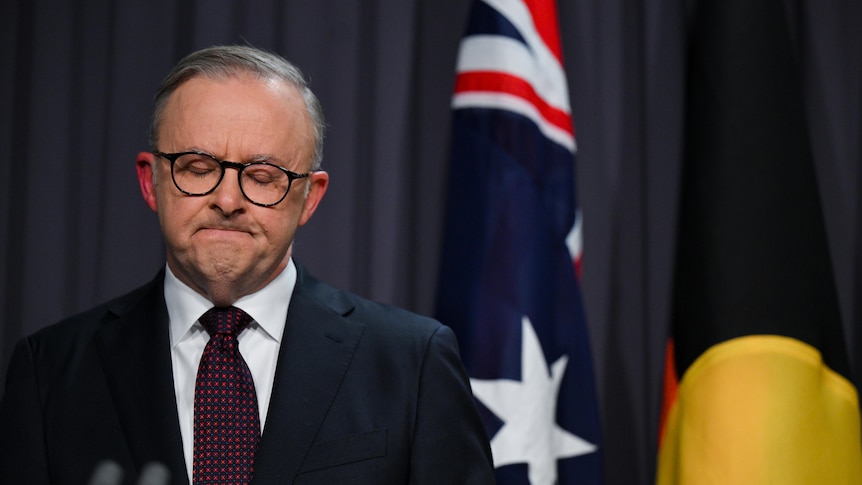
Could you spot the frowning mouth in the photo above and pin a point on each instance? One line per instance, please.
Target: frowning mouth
(222, 230)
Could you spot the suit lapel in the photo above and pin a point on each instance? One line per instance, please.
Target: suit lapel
(316, 351)
(135, 352)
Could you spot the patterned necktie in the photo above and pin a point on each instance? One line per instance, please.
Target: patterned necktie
(227, 424)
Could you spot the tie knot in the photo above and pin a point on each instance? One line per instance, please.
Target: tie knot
(230, 320)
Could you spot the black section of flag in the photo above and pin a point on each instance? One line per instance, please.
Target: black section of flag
(753, 257)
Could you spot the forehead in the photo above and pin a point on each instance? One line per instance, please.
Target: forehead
(237, 117)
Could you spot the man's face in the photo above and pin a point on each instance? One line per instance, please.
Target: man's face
(221, 244)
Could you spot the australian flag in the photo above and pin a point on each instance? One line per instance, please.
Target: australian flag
(509, 275)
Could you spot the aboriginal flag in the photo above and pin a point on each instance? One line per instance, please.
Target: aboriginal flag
(764, 395)
(509, 281)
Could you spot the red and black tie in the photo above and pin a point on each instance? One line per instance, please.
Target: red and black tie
(227, 423)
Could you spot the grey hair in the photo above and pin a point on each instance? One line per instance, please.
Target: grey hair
(225, 62)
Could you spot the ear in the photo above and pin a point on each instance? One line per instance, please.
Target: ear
(144, 165)
(318, 181)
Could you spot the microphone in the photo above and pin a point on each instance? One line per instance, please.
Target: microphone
(154, 473)
(106, 473)
(110, 473)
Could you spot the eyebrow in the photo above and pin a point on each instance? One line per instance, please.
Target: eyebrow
(257, 157)
(265, 158)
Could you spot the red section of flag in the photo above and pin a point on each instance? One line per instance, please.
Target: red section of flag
(497, 82)
(545, 18)
(670, 388)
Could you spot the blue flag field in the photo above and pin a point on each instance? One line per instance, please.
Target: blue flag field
(509, 283)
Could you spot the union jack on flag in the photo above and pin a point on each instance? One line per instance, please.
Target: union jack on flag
(509, 280)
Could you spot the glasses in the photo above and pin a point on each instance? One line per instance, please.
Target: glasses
(198, 173)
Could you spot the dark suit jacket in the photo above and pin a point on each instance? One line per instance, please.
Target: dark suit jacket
(363, 393)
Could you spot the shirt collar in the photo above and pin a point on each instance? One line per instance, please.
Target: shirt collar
(268, 306)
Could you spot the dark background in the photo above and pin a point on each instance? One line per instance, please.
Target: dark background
(77, 78)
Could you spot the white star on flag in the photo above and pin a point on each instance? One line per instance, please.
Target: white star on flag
(528, 409)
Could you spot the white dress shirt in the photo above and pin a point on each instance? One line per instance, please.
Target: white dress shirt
(258, 343)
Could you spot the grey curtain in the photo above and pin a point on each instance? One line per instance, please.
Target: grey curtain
(76, 80)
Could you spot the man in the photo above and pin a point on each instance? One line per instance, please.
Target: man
(234, 362)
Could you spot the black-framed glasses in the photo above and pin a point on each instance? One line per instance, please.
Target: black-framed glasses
(199, 173)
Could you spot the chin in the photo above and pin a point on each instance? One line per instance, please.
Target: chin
(226, 270)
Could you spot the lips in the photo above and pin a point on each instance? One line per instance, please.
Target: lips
(222, 226)
(223, 230)
(231, 229)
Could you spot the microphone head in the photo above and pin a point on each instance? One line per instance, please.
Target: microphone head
(154, 473)
(106, 473)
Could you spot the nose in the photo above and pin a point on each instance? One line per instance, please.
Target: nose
(227, 197)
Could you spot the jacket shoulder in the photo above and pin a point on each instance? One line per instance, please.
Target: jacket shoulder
(375, 315)
(81, 326)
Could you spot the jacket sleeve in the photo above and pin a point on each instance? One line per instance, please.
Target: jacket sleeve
(22, 445)
(450, 443)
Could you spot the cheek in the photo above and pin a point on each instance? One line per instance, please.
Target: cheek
(280, 227)
(176, 216)
(276, 229)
